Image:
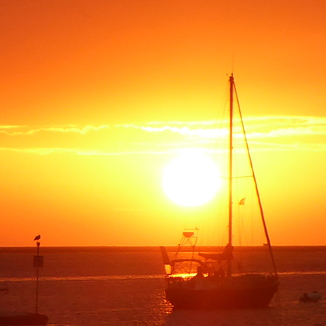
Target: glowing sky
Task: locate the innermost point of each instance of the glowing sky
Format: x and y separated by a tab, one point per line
97	96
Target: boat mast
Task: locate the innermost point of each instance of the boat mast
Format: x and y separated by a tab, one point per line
231	81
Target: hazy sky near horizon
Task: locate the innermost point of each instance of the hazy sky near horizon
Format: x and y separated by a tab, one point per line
98	96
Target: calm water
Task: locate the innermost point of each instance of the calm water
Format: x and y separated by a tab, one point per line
98	287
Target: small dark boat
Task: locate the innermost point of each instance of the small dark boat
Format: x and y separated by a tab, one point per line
313	296
22	318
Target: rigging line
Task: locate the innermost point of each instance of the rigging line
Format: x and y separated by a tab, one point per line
256	186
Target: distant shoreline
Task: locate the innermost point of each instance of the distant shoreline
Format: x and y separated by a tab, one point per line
112	249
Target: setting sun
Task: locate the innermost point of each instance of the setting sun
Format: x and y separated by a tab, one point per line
191	179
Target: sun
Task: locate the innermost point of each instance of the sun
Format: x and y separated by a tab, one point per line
191	179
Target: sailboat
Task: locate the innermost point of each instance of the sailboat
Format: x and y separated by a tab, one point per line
212	287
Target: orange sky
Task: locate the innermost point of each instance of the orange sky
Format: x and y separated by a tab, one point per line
97	96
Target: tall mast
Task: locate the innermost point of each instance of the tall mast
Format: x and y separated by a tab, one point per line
231	81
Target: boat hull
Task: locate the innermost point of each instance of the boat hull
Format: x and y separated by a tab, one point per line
222	294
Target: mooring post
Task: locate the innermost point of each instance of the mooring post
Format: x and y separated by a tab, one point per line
38	262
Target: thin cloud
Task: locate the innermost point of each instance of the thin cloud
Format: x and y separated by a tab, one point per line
40	151
25	130
263	133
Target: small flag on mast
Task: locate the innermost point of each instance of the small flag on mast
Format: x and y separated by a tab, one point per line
242	201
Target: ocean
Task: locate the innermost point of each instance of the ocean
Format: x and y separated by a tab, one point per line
90	286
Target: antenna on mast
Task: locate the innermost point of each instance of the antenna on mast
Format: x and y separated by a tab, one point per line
233	63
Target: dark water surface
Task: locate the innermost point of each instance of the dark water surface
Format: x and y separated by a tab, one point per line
83	286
